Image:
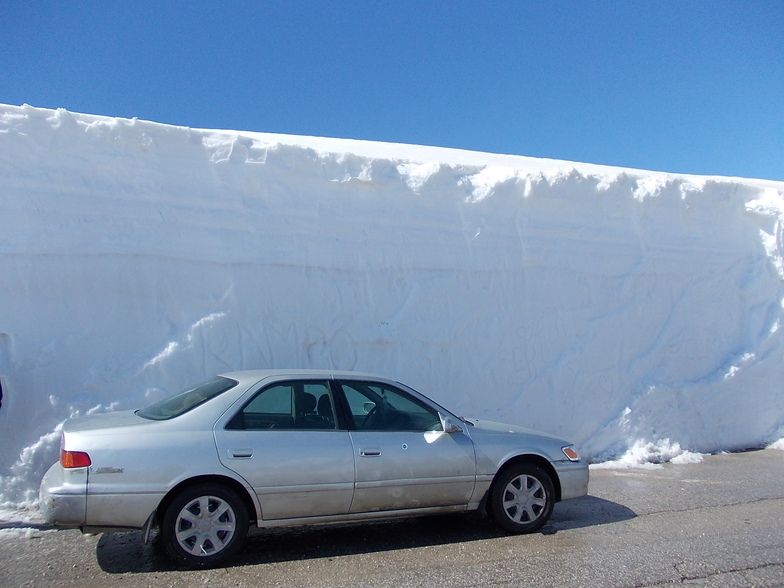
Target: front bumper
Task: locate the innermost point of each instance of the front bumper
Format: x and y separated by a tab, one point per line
574	478
63	496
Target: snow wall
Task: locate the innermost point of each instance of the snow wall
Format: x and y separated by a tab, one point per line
628	311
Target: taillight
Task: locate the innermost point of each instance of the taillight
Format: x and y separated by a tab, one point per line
74	459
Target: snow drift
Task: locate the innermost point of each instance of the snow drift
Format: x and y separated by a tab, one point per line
629	311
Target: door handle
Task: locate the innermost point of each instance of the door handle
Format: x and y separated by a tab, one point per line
240	453
370	452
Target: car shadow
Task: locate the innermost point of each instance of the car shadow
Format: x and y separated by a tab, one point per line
587	511
121	553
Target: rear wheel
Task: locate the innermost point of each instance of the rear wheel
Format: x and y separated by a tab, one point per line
521	498
204	525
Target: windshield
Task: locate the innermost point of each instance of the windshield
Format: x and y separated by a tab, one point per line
173	406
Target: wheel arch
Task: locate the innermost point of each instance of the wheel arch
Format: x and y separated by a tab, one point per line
539	461
231	483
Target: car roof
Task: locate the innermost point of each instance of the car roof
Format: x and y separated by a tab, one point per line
261	374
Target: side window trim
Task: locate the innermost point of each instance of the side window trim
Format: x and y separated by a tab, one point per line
342	409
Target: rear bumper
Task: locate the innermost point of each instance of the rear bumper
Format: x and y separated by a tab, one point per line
63	496
574	478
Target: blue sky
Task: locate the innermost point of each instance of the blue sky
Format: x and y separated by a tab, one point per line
679	86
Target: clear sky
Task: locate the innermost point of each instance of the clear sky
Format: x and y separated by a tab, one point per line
678	86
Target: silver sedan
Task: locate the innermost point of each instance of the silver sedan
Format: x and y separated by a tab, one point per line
285	448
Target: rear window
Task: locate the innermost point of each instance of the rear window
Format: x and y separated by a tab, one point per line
181	403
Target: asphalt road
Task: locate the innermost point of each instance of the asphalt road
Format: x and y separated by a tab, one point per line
717	523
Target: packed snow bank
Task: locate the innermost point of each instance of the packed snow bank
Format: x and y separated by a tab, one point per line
650	455
621	309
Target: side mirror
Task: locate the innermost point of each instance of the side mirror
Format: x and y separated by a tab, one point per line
450	426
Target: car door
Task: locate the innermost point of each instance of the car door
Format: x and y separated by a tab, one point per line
403	457
285	442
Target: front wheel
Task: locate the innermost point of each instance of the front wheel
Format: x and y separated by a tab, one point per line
521	498
204	525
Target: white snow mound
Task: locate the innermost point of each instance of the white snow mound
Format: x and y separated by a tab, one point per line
614	307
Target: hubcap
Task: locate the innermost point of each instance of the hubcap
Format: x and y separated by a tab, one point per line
524	499
205	526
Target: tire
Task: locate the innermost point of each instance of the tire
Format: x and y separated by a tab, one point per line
521	498
204	525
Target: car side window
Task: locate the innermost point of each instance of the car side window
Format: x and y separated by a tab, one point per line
288	405
379	407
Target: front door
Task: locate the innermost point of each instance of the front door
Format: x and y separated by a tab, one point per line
403	457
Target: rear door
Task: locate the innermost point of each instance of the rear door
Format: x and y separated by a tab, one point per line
286	443
402	456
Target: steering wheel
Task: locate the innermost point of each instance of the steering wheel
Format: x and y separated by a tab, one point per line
372	413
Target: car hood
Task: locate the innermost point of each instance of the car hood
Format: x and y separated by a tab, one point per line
106	420
494	427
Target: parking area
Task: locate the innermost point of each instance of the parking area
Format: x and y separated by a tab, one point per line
715	523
